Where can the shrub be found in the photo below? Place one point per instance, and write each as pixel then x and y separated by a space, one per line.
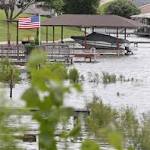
pixel 108 78
pixel 74 75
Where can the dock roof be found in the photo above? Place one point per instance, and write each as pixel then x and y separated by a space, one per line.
pixel 101 21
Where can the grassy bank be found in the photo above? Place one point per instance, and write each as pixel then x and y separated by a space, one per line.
pixel 23 34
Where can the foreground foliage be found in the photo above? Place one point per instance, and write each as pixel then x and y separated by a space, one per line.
pixel 49 84
pixel 46 94
pixel 120 128
pixel 9 74
pixel 7 132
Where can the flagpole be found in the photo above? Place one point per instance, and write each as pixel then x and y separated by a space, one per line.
pixel 39 29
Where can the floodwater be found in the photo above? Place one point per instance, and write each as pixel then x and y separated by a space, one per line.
pixel 135 94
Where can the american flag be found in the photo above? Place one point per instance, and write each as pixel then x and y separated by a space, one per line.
pixel 29 22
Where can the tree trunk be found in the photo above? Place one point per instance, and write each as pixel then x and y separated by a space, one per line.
pixel 11 83
pixel 8 32
pixel 11 88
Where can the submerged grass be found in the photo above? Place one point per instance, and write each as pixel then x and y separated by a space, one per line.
pixel 108 78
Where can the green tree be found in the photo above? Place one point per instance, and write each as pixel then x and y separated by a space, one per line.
pixel 124 8
pixel 103 122
pixel 9 74
pixel 81 6
pixel 89 145
pixel 74 75
pixel 46 94
pixel 130 127
pixel 9 7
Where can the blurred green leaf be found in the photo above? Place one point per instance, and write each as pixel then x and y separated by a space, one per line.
pixel 75 131
pixel 116 140
pixel 90 145
pixel 46 93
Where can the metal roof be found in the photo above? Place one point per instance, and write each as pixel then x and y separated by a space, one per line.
pixel 109 21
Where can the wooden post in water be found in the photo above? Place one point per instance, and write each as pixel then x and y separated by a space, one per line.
pixel 125 33
pixel 85 40
pixel 93 29
pixel 117 41
pixel 11 82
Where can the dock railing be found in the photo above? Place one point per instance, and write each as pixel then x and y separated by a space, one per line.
pixel 56 52
pixel 12 51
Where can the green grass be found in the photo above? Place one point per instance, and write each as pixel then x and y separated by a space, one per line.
pixel 24 34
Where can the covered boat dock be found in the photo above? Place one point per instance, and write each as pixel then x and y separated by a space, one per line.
pixel 90 21
pixel 93 22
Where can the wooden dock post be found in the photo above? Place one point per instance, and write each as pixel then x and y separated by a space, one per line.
pixel 117 42
pixel 62 34
pixel 46 34
pixel 53 34
pixel 71 60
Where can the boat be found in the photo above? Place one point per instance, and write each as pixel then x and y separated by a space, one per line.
pixel 101 41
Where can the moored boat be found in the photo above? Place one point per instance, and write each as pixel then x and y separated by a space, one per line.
pixel 102 41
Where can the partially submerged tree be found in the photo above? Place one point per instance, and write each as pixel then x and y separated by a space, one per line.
pixel 9 74
pixel 74 75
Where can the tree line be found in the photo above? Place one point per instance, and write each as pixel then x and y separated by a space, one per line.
pixel 124 8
